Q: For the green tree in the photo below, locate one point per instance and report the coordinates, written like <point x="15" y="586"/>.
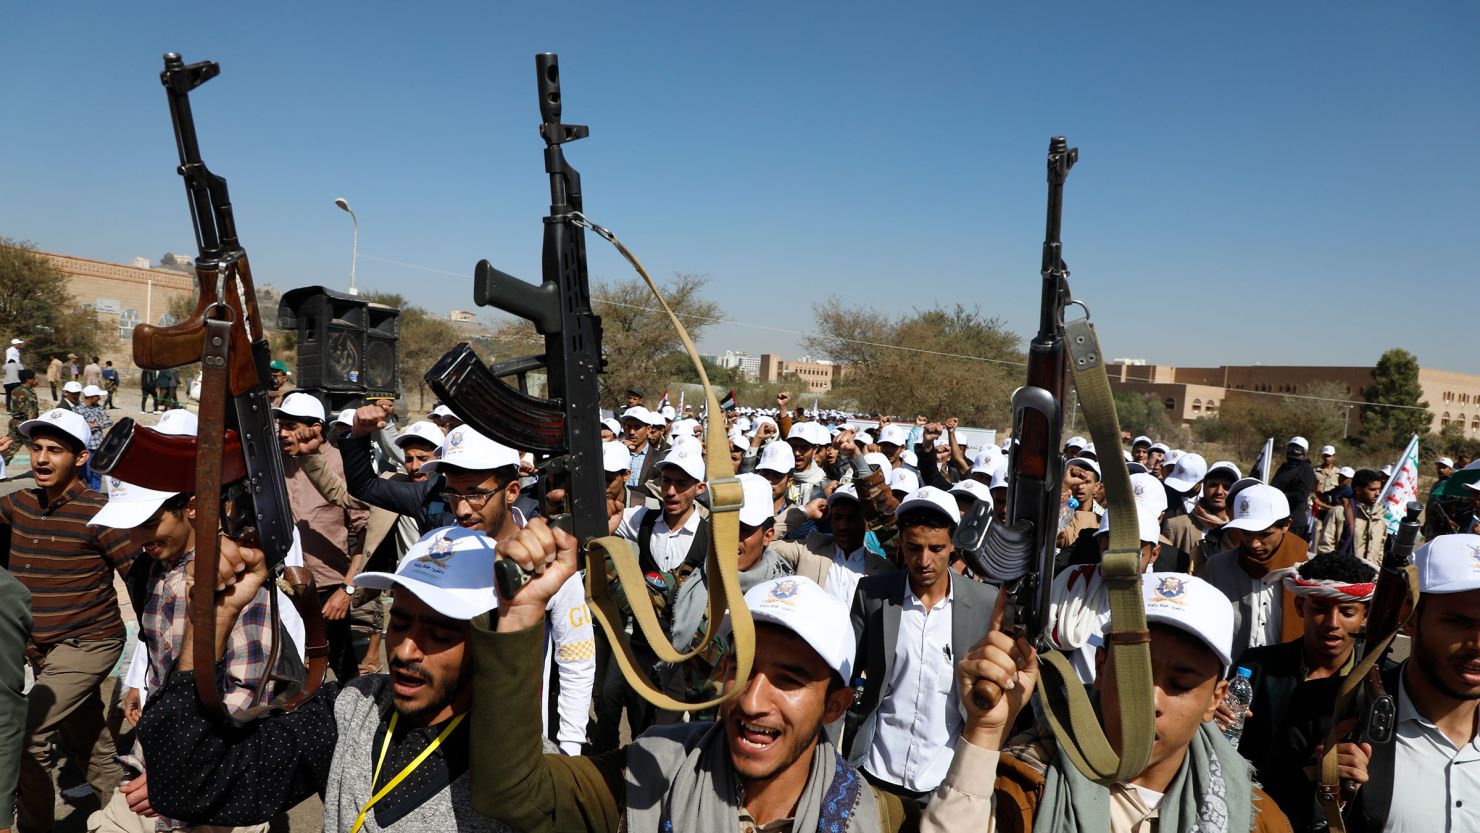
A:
<point x="37" y="308"/>
<point x="1395" y="383"/>
<point x="425" y="338"/>
<point x="1143" y="414"/>
<point x="955" y="361"/>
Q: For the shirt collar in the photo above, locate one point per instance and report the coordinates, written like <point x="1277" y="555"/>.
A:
<point x="1408" y="711"/>
<point x="848" y="557"/>
<point x="67" y="495"/>
<point x="911" y="598"/>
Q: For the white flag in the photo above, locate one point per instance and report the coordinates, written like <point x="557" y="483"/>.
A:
<point x="1261" y="463"/>
<point x="1401" y="487"/>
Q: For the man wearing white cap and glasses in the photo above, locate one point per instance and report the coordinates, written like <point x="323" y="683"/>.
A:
<point x="1250" y="573"/>
<point x="1428" y="778"/>
<point x="326" y="530"/>
<point x="1194" y="780"/>
<point x="385" y="751"/>
<point x="762" y="765"/>
<point x="76" y="630"/>
<point x="163" y="525"/>
<point x="911" y="625"/>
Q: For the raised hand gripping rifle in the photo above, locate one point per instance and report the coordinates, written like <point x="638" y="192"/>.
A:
<point x="1021" y="552"/>
<point x="235" y="454"/>
<point x="1364" y="711"/>
<point x="566" y="426"/>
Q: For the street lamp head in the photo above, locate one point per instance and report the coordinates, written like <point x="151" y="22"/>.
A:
<point x="343" y="204"/>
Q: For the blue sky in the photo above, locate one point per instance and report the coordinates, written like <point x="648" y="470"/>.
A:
<point x="1260" y="182"/>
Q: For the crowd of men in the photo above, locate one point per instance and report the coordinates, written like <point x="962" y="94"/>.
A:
<point x="883" y="693"/>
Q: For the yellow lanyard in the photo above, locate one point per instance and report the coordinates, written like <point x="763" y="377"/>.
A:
<point x="401" y="776"/>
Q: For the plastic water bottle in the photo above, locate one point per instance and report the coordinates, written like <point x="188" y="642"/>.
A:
<point x="1066" y="512"/>
<point x="1240" y="695"/>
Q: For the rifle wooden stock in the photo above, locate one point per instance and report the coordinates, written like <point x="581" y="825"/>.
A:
<point x="163" y="462"/>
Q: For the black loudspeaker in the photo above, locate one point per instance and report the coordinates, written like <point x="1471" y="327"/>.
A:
<point x="345" y="344"/>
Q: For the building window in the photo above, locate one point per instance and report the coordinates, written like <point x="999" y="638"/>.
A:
<point x="1212" y="406"/>
<point x="1170" y="403"/>
<point x="1197" y="406"/>
<point x="168" y="320"/>
<point x="127" y="320"/>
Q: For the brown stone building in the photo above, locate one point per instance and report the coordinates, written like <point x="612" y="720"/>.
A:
<point x="1191" y="393"/>
<point x="820" y="376"/>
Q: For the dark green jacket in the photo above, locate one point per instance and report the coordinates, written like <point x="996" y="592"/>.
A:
<point x="15" y="628"/>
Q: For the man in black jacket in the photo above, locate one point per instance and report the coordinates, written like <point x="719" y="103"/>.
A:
<point x="1426" y="778"/>
<point x="1297" y="479"/>
<point x="419" y="499"/>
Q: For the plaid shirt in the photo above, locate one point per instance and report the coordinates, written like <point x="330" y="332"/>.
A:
<point x="95" y="414"/>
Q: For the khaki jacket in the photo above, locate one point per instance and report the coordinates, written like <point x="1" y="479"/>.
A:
<point x="813" y="558"/>
<point x="1368" y="535"/>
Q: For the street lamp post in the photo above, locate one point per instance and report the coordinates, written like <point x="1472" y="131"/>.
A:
<point x="354" y="257"/>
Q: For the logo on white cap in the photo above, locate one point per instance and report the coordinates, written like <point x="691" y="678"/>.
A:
<point x="1168" y="588"/>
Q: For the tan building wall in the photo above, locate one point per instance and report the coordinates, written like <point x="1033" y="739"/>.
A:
<point x="817" y="375"/>
<point x="1190" y="392"/>
<point x="122" y="296"/>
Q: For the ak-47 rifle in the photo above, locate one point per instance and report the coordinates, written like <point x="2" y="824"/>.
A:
<point x="235" y="455"/>
<point x="566" y="426"/>
<point x="1021" y="552"/>
<point x="1361" y="702"/>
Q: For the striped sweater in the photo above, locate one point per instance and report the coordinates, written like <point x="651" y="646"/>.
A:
<point x="65" y="563"/>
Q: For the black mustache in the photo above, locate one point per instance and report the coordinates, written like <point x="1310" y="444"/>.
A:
<point x="412" y="669"/>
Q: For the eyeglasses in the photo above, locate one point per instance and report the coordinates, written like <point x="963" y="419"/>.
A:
<point x="473" y="499"/>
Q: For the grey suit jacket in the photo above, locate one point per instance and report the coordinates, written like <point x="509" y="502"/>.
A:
<point x="877" y="606"/>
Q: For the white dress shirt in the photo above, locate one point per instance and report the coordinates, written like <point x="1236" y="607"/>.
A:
<point x="919" y="721"/>
<point x="1436" y="785"/>
<point x="844" y="572"/>
<point x="669" y="547"/>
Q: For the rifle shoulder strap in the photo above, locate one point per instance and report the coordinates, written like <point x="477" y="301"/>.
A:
<point x="722" y="565"/>
<point x="1328" y="789"/>
<point x="1065" y="704"/>
<point x="208" y="458"/>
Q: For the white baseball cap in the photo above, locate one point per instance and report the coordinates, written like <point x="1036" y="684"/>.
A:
<point x="347" y="417"/>
<point x="1172" y="457"/>
<point x="1445" y="461"/>
<point x="929" y="497"/>
<point x="16" y="341"/>
<point x="1190" y="470"/>
<point x="688" y="457"/>
<point x="801" y="606"/>
<point x="1141" y="439"/>
<point x="1259" y="507"/>
<point x="465" y="448"/>
<point x="988" y="460"/>
<point x="92" y="390"/>
<point x="743" y="423"/>
<point x="442" y="412"/>
<point x="1300" y="441"/>
<point x="847" y="492"/>
<point x="1151" y="500"/>
<point x="1224" y="465"/>
<point x="1190" y="604"/>
<point x="1328" y="449"/>
<point x="1162" y="447"/>
<point x="777" y="457"/>
<point x="611" y="424"/>
<point x="894" y="434"/>
<point x="128" y="505"/>
<point x="864" y="437"/>
<point x="738" y="440"/>
<point x="1449" y="564"/>
<point x="809" y="432"/>
<point x="667" y="412"/>
<point x="1076" y="442"/>
<point x="759" y="421"/>
<point x="72" y="387"/>
<point x="1347" y="471"/>
<point x="178" y="422"/>
<point x="1388" y="469"/>
<point x="300" y="405"/>
<point x="615" y="457"/>
<point x="877" y="460"/>
<point x="61" y="419"/>
<point x="1085" y="463"/>
<point x="424" y="430"/>
<point x="758" y="504"/>
<point x="904" y="480"/>
<point x="638" y="413"/>
<point x="908" y="458"/>
<point x="974" y="488"/>
<point x="449" y="569"/>
<point x="683" y="427"/>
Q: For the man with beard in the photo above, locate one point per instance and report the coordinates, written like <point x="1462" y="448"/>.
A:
<point x="1199" y="532"/>
<point x="1332" y="594"/>
<point x="1428" y="777"/>
<point x="910" y="625"/>
<point x="385" y="751"/>
<point x="761" y="766"/>
<point x="1264" y="543"/>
